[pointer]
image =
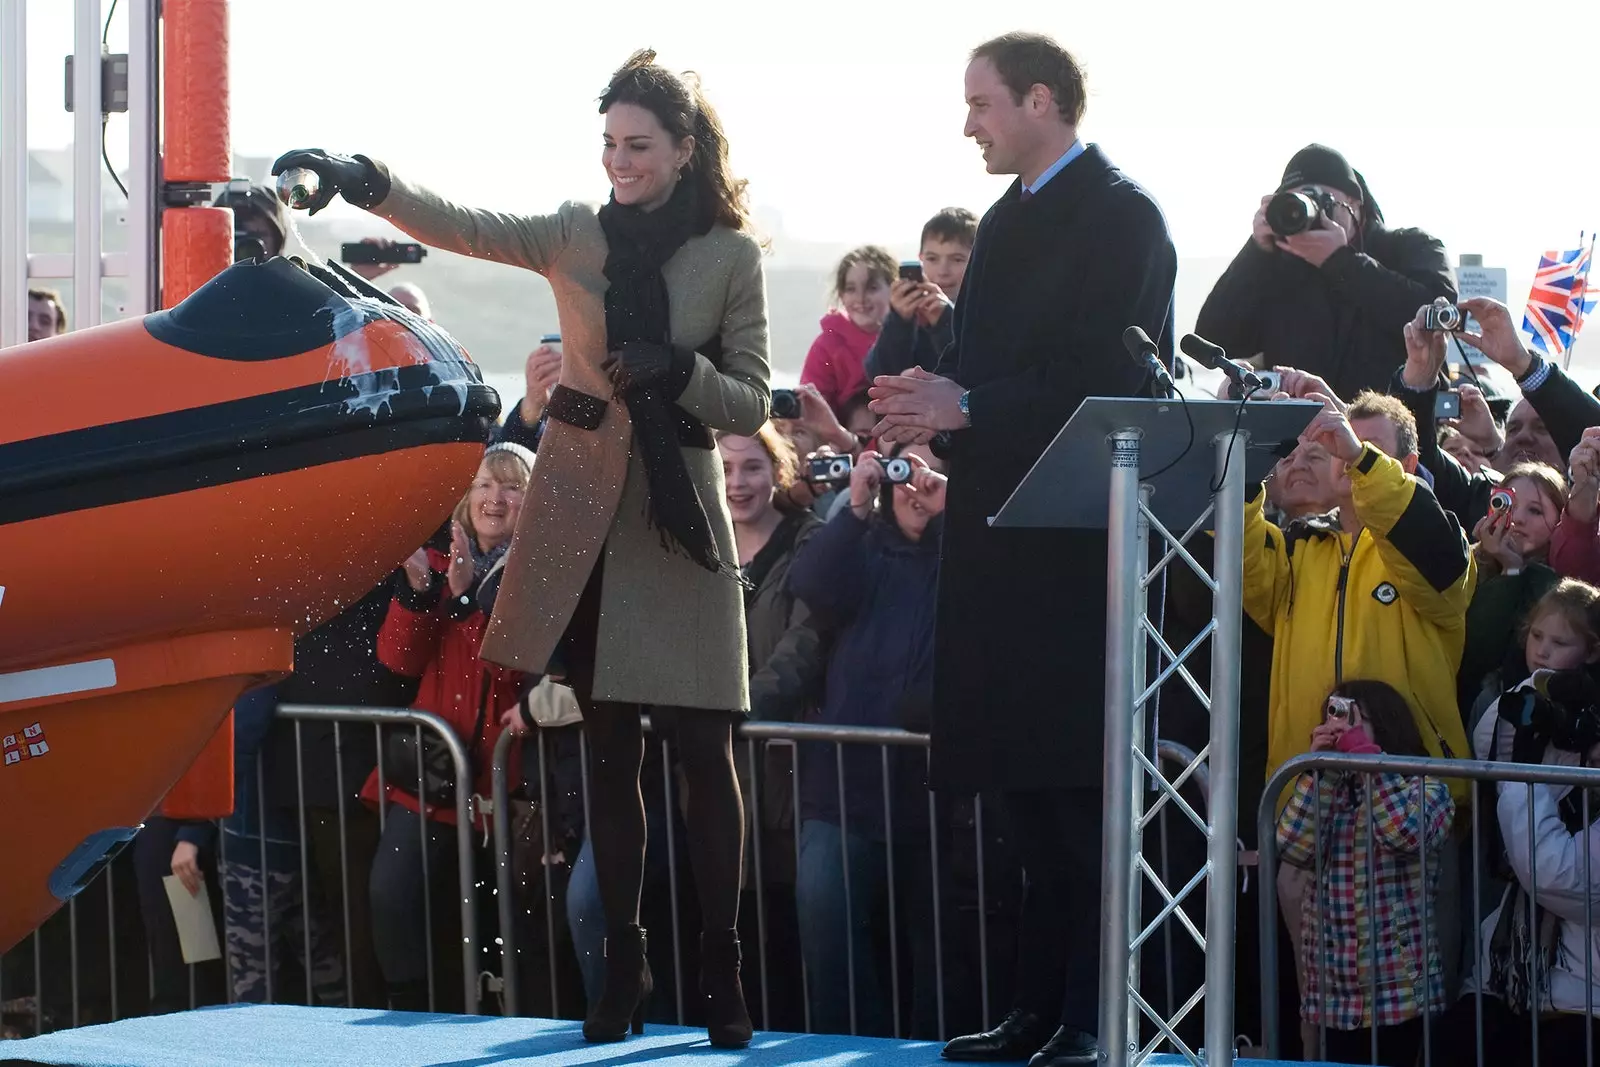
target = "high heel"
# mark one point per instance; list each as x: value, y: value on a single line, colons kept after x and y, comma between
x: 727, y: 1020
x: 627, y: 989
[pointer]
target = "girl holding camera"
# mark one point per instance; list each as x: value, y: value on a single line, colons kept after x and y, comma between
x: 1362, y: 925
x: 624, y: 569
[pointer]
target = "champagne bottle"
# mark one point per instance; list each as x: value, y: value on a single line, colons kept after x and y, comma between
x: 297, y: 186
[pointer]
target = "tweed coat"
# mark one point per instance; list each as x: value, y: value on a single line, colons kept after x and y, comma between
x: 671, y: 632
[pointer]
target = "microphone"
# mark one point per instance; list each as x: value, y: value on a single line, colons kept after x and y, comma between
x: 1209, y: 355
x: 1143, y: 350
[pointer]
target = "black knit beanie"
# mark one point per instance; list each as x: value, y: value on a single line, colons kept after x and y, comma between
x: 1317, y: 164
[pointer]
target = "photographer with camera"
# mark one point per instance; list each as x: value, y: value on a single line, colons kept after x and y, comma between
x: 1544, y: 426
x: 1377, y: 588
x: 868, y: 577
x: 1539, y: 956
x: 1322, y: 284
x: 922, y: 301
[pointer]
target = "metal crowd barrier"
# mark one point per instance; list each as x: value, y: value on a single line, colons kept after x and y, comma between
x: 107, y: 884
x: 761, y: 735
x: 1421, y: 769
x: 476, y: 979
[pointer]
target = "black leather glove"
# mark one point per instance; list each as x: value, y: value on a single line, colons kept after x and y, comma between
x: 363, y: 182
x: 641, y: 364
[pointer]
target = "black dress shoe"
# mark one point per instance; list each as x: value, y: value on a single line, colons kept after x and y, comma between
x: 1019, y: 1036
x: 1066, y: 1048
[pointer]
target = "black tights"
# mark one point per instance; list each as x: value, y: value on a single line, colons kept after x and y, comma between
x: 704, y: 743
x: 715, y: 816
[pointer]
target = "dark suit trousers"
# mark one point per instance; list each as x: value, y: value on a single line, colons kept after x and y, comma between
x: 1057, y: 834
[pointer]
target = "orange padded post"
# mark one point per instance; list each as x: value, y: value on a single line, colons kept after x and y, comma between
x: 194, y: 93
x: 206, y: 789
x: 197, y: 245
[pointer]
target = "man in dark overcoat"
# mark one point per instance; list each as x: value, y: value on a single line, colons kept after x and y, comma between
x: 1073, y: 254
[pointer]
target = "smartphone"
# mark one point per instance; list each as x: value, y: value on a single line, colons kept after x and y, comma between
x: 1447, y: 404
x: 399, y: 252
x: 911, y: 271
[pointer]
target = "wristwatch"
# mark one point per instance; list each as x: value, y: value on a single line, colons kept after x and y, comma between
x: 961, y: 403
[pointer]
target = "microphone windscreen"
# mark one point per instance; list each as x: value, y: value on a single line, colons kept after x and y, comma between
x: 1202, y: 351
x: 1138, y: 343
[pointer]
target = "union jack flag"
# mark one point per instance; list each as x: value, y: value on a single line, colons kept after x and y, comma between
x: 1559, y: 299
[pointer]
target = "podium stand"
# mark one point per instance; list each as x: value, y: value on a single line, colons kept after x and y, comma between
x: 1198, y: 456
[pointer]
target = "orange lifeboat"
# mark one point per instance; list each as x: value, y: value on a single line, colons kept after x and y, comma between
x: 180, y: 496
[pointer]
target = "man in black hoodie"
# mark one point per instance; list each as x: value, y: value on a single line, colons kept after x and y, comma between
x: 1332, y: 299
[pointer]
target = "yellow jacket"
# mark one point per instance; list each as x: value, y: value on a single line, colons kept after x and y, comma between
x: 1387, y: 604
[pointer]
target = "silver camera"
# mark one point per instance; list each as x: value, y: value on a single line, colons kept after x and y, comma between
x: 1446, y: 317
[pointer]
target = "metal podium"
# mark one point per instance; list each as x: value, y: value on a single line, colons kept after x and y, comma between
x: 1130, y: 466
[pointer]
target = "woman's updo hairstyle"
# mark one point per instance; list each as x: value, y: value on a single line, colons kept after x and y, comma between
x: 683, y: 111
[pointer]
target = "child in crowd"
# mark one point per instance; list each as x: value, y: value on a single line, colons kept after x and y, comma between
x: 1366, y: 909
x: 836, y: 362
x: 1537, y: 958
x: 1513, y: 545
x: 920, y: 325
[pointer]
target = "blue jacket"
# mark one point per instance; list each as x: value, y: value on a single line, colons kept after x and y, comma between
x: 253, y: 715
x: 874, y: 590
x: 905, y: 343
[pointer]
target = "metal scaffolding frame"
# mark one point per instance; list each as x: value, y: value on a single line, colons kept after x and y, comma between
x: 1131, y: 771
x: 87, y: 265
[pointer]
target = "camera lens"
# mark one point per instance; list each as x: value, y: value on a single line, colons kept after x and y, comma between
x: 839, y: 468
x: 897, y: 471
x: 1291, y: 213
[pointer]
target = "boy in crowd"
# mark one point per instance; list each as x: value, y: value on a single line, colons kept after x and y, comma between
x: 920, y: 323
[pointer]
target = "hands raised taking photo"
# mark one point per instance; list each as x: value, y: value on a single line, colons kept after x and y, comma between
x: 1499, y: 338
x: 1425, y: 351
x: 1494, y: 543
x: 1332, y: 430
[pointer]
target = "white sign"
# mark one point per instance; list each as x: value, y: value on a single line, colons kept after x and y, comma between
x: 1481, y: 281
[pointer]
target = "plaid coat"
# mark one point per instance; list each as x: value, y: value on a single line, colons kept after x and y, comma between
x: 1370, y: 914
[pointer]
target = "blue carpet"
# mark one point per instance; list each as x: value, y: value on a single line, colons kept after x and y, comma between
x: 285, y: 1036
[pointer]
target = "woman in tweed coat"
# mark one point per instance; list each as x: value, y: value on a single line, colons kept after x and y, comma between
x: 623, y: 576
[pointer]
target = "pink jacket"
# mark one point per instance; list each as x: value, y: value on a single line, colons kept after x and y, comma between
x: 836, y: 364
x: 1575, y: 550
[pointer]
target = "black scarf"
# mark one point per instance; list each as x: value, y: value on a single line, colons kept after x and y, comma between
x: 639, y: 243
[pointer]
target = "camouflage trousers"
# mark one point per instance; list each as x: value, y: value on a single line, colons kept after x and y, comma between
x: 260, y: 933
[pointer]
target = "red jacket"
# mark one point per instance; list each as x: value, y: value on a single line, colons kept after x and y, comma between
x: 436, y: 637
x: 836, y: 364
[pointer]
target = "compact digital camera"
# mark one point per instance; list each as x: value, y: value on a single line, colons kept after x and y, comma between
x: 897, y: 471
x: 827, y: 469
x: 1502, y: 498
x: 785, y: 404
x: 1446, y: 317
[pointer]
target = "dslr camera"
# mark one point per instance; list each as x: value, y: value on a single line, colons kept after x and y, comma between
x: 828, y: 470
x: 1442, y: 317
x: 1291, y: 212
x: 1562, y: 708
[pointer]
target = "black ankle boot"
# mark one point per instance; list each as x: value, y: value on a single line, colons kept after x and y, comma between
x: 627, y: 988
x: 727, y: 1021
x: 409, y: 996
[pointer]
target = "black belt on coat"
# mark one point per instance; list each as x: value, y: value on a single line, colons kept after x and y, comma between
x: 577, y: 408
